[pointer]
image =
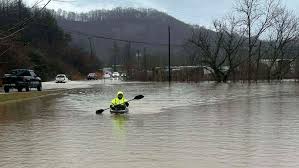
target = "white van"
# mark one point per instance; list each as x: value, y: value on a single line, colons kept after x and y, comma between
x: 61, y: 78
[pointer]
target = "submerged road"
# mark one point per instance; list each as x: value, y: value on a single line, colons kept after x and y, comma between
x: 184, y: 125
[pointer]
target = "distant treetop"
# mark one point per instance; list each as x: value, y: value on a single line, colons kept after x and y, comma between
x: 116, y: 13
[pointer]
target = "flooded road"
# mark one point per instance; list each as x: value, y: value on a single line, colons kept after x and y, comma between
x: 185, y: 125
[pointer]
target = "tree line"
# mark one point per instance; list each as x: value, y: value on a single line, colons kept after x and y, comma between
x: 31, y: 38
x: 108, y: 15
x: 256, y: 41
x: 148, y: 25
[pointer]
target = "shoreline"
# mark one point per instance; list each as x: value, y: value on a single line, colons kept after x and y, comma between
x: 24, y: 96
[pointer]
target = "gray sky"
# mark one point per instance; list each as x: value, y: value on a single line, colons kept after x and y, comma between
x: 200, y: 12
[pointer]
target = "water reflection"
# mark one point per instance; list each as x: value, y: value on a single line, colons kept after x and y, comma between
x: 119, y: 125
x: 186, y: 125
x: 18, y: 111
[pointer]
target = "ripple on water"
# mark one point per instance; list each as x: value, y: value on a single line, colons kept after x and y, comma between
x: 185, y: 125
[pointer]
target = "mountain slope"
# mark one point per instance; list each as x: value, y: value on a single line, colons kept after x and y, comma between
x: 132, y: 24
x: 31, y: 38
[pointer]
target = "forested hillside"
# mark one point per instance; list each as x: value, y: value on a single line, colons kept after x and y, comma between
x: 234, y: 48
x: 145, y: 25
x: 31, y: 38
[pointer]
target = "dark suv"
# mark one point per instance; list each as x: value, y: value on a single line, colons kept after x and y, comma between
x: 20, y: 79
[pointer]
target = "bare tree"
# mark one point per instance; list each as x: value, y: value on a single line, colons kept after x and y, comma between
x: 218, y: 51
x: 191, y: 54
x: 232, y: 43
x: 282, y: 35
x: 256, y: 17
x: 258, y: 61
x: 210, y: 52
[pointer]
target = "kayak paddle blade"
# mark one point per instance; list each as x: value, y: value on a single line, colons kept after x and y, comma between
x: 100, y: 111
x: 139, y: 97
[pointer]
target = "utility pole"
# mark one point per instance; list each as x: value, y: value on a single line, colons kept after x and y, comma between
x: 144, y: 59
x: 138, y: 59
x: 115, y: 55
x: 144, y: 63
x: 114, y: 62
x: 90, y: 45
x: 169, y: 50
x: 128, y: 60
x: 94, y: 47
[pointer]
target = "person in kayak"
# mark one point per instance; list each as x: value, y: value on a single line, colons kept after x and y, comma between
x: 119, y: 103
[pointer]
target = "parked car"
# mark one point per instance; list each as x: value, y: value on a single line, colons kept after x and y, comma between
x: 123, y: 75
x: 92, y: 76
x: 107, y: 75
x: 21, y: 79
x: 115, y: 75
x: 61, y: 78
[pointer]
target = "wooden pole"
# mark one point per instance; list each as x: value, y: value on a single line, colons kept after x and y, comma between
x: 169, y: 54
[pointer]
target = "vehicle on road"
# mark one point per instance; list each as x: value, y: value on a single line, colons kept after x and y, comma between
x: 107, y: 75
x: 61, y: 78
x: 92, y: 76
x: 123, y: 76
x: 115, y: 75
x: 21, y: 79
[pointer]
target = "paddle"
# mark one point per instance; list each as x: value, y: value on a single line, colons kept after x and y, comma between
x: 135, y: 98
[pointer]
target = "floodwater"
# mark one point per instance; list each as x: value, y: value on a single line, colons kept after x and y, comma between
x: 184, y: 126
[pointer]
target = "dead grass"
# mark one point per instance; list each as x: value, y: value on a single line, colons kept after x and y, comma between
x: 6, y: 98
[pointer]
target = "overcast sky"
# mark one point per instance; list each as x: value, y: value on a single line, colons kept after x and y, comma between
x: 200, y: 12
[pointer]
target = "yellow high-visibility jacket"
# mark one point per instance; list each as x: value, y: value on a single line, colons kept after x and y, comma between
x: 117, y: 101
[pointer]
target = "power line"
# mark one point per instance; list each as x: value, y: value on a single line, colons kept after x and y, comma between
x: 37, y: 2
x: 23, y: 23
x: 65, y: 1
x: 17, y: 24
x: 12, y: 34
x: 121, y: 40
x: 6, y: 50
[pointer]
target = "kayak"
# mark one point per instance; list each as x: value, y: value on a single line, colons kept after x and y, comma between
x: 119, y: 111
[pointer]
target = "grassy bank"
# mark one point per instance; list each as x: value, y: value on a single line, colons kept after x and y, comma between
x: 12, y: 97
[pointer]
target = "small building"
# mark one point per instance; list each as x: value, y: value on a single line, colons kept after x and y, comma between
x: 280, y: 63
x: 179, y: 73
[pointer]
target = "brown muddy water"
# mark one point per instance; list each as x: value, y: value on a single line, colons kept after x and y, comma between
x: 185, y: 125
